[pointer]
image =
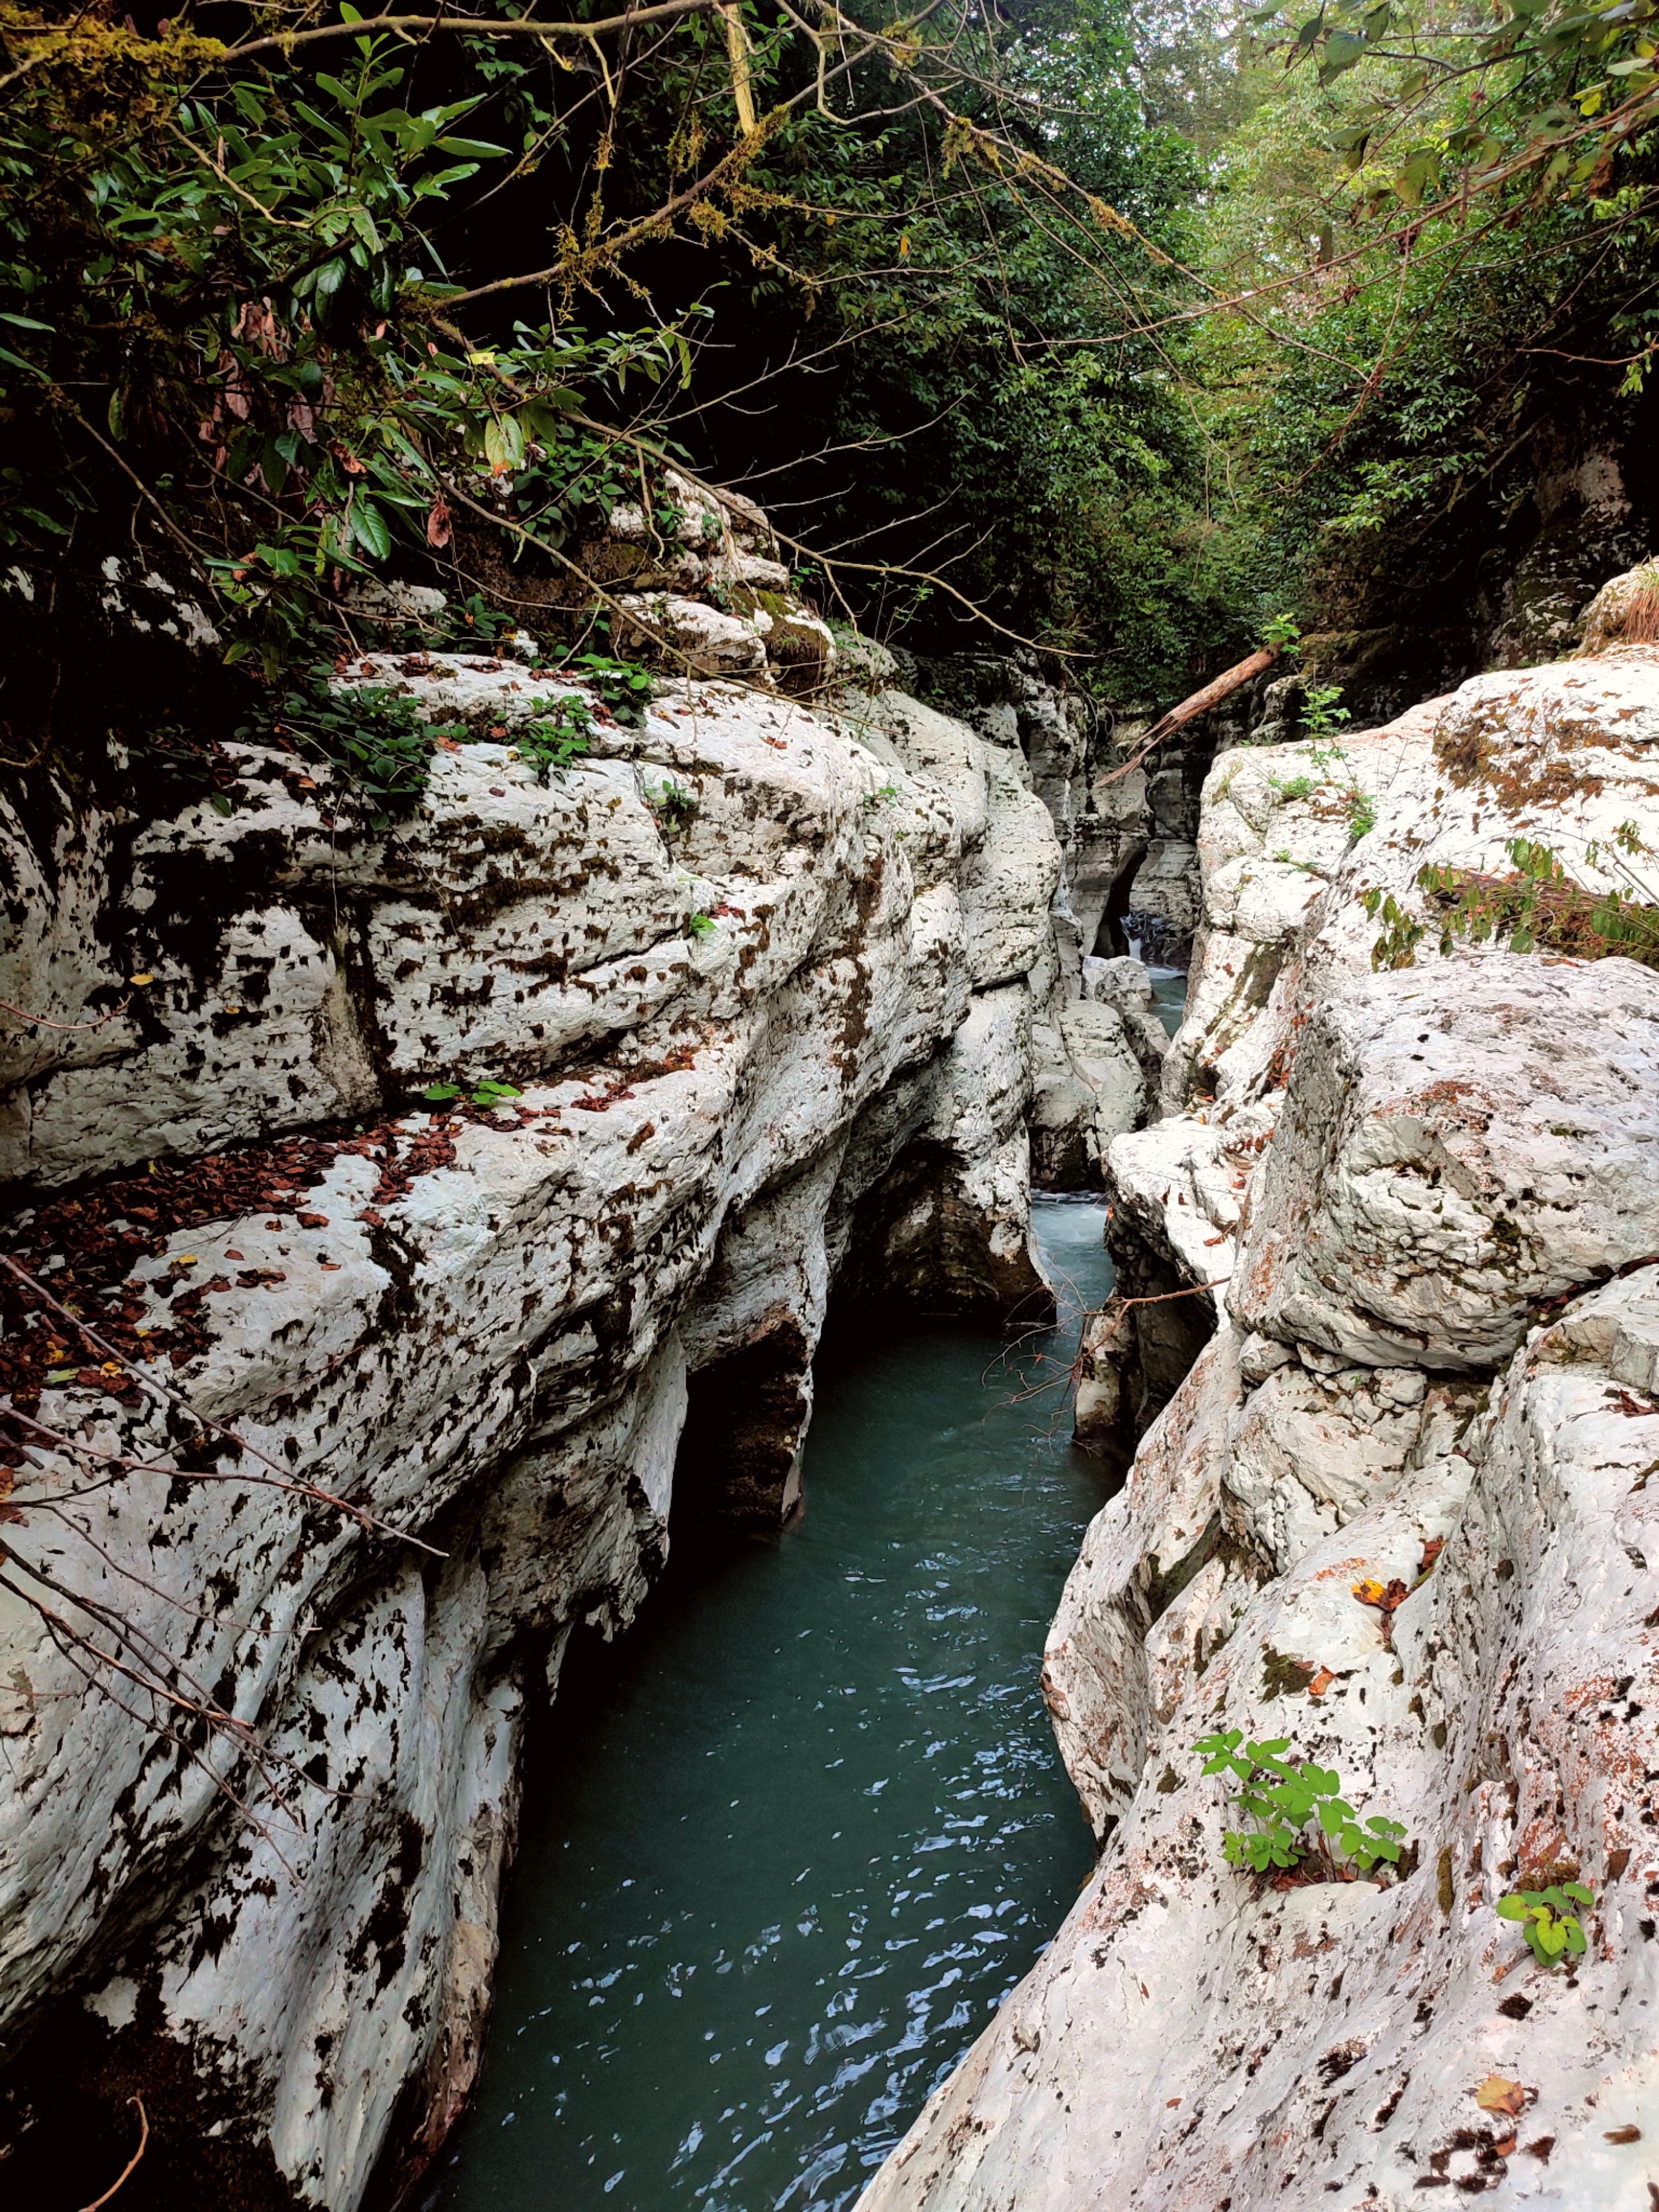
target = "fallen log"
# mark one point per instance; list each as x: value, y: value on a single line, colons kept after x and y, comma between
x: 1198, y: 703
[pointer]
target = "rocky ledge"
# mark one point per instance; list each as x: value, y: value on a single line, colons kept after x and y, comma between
x: 390, y: 1393
x: 1398, y: 1510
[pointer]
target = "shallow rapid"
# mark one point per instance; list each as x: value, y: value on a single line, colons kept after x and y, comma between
x: 796, y: 1835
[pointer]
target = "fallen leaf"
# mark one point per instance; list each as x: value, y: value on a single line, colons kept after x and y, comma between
x: 1369, y: 1593
x: 1498, y: 2095
x: 313, y: 1220
x: 1621, y: 2135
x: 1320, y: 1682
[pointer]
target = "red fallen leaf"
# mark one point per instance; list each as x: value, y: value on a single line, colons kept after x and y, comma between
x: 374, y: 1220
x: 1621, y: 2135
x: 778, y: 744
x: 232, y: 1256
x: 329, y: 1267
x: 440, y: 524
x: 1320, y: 1682
x: 273, y: 1224
x: 313, y: 1220
x: 1432, y: 1547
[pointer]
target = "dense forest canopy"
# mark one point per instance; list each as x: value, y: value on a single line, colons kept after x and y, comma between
x: 1101, y: 327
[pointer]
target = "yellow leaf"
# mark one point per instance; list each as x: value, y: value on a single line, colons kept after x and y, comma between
x: 1497, y: 2095
x: 140, y: 980
x: 1369, y: 1593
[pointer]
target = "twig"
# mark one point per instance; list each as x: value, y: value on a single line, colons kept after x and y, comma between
x: 126, y: 2170
x: 142, y: 1376
x: 39, y: 1021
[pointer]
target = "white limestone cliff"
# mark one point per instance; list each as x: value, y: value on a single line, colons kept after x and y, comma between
x: 759, y: 976
x: 1427, y: 1200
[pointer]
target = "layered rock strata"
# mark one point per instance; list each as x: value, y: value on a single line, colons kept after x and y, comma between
x: 1399, y: 1512
x: 402, y: 1390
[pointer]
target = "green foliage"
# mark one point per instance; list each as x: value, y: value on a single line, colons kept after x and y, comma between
x: 559, y: 734
x: 1551, y: 1927
x: 486, y: 1093
x: 373, y: 741
x: 1551, y: 90
x: 1321, y: 717
x: 672, y: 804
x: 1281, y: 1797
x: 622, y: 687
x: 702, y: 925
x: 234, y: 270
x: 1538, y: 907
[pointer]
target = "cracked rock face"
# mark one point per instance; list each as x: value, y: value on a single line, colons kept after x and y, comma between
x: 760, y: 976
x: 1398, y: 1511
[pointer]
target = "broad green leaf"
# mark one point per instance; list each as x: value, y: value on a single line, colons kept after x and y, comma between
x: 368, y: 527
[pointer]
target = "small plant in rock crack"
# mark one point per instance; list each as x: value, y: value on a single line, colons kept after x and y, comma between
x: 672, y: 804
x: 1551, y: 1927
x: 561, y: 733
x: 702, y: 925
x: 875, y: 798
x: 480, y: 1094
x: 1281, y: 1795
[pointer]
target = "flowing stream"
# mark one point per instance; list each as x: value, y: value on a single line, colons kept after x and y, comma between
x: 788, y: 1846
x: 799, y: 1832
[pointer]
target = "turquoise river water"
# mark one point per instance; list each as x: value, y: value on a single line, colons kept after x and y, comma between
x: 805, y: 1826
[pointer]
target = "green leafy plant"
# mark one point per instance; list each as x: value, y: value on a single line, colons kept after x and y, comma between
x: 559, y: 734
x: 1321, y: 717
x: 1362, y: 813
x: 1280, y: 1796
x: 1551, y: 1927
x: 1297, y: 787
x: 480, y: 1094
x: 373, y: 739
x: 702, y: 925
x: 1540, y: 906
x: 672, y: 804
x: 875, y: 798
x: 623, y: 689
x: 1283, y: 631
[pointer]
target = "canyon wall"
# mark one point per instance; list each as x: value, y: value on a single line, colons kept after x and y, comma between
x: 1397, y: 1512
x: 389, y: 1393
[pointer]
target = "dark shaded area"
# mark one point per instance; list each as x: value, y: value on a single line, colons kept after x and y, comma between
x: 68, y: 2123
x: 738, y: 1469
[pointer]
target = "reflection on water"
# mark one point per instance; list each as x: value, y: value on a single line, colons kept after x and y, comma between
x: 806, y: 1826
